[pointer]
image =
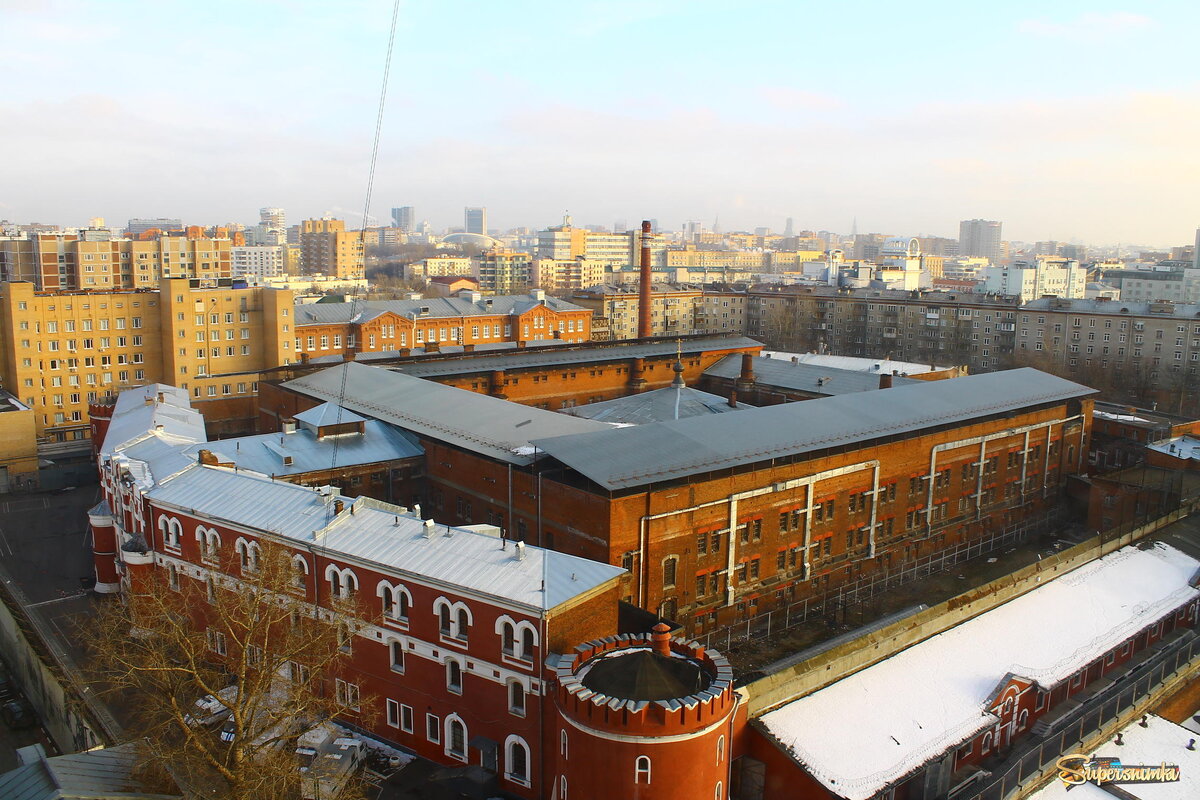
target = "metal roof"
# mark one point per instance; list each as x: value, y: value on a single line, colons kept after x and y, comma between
x: 658, y: 405
x: 801, y: 377
x: 858, y: 363
x: 385, y: 535
x: 574, y: 355
x: 628, y: 457
x: 138, y: 413
x: 434, y: 307
x: 496, y: 428
x: 94, y: 774
x: 266, y: 453
x: 327, y: 414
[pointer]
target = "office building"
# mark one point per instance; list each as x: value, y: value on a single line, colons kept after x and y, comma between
x: 980, y: 238
x: 475, y: 220
x: 405, y: 219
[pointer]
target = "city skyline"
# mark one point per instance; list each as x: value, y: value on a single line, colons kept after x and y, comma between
x: 912, y: 123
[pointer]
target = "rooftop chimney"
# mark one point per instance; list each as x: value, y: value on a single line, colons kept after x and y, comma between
x: 733, y: 398
x: 338, y: 505
x: 288, y: 425
x: 660, y: 639
x: 885, y: 381
x: 745, y: 381
x: 644, y: 288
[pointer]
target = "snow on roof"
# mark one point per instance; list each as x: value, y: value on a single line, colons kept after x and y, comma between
x: 384, y: 535
x: 138, y: 413
x: 877, y: 366
x: 1179, y: 447
x: 866, y: 731
x: 1118, y: 417
x: 328, y: 414
x: 1161, y: 741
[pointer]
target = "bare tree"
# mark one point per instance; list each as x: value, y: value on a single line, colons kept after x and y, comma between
x: 251, y: 642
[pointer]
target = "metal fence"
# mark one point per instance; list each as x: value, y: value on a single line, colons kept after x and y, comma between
x: 848, y: 597
x: 1032, y: 756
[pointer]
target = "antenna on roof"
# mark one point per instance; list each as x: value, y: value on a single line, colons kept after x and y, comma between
x: 362, y: 236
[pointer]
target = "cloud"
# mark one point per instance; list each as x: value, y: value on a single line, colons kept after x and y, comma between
x: 1090, y: 25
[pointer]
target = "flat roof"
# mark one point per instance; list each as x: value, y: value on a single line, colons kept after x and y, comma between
x: 804, y: 377
x: 628, y: 457
x: 574, y: 355
x: 476, y: 422
x: 871, y: 729
x: 434, y: 308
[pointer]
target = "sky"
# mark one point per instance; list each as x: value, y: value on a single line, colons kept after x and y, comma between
x: 1076, y: 121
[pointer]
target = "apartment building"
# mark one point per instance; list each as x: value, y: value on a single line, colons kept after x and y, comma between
x: 575, y: 273
x: 61, y: 350
x: 441, y: 266
x: 327, y: 248
x: 721, y: 312
x: 503, y: 271
x: 259, y: 261
x: 1046, y: 275
x: 566, y: 242
x: 672, y: 309
x: 932, y: 327
x: 1148, y: 286
x: 76, y: 261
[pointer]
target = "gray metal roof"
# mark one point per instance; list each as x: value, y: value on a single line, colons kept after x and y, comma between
x: 573, y: 355
x: 327, y: 414
x: 366, y: 310
x: 658, y: 405
x: 138, y: 413
x: 1114, y: 307
x: 628, y: 457
x: 385, y: 535
x: 496, y: 428
x: 803, y: 377
x: 94, y: 774
x: 265, y: 453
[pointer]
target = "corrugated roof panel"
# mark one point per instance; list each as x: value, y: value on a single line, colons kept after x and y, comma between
x: 626, y: 457
x: 803, y: 377
x: 494, y: 427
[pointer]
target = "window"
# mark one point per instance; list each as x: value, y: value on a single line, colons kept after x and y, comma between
x: 173, y: 577
x: 406, y: 718
x: 346, y: 694
x: 641, y: 770
x: 393, y: 713
x: 516, y: 698
x: 456, y: 738
x: 720, y: 749
x: 396, y: 653
x: 454, y: 676
x: 216, y: 641
x: 516, y: 760
x: 562, y: 743
x: 433, y: 728
x: 669, y: 565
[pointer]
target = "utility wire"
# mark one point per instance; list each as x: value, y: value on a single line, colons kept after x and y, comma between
x: 362, y: 239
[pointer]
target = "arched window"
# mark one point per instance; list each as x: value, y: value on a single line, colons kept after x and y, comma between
x: 719, y: 794
x: 669, y: 564
x: 464, y: 624
x: 210, y: 544
x: 444, y: 619
x: 454, y: 676
x: 508, y: 637
x: 516, y: 765
x: 1023, y: 719
x: 987, y: 743
x: 562, y: 743
x: 247, y: 555
x: 456, y: 737
x: 527, y: 644
x: 516, y: 698
x: 562, y: 787
x: 396, y: 651
x: 210, y: 585
x: 299, y: 573
x: 343, y: 583
x: 641, y: 770
x: 720, y: 748
x: 171, y: 530
x: 335, y: 583
x: 173, y: 577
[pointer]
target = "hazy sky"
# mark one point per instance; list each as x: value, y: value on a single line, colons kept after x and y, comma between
x: 1065, y: 119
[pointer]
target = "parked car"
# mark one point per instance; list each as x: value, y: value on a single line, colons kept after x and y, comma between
x: 210, y: 711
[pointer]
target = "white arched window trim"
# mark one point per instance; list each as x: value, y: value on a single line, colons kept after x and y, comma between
x: 448, y: 739
x: 248, y: 553
x: 396, y: 600
x: 720, y: 748
x: 521, y: 635
x: 641, y: 769
x: 299, y: 571
x: 514, y: 741
x: 171, y: 529
x: 455, y: 633
x: 210, y: 544
x: 563, y: 748
x: 343, y: 583
x: 454, y: 666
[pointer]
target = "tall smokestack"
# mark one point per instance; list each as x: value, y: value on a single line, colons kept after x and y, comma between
x: 644, y: 289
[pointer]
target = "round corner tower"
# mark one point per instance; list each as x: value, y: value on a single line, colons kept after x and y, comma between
x: 643, y: 716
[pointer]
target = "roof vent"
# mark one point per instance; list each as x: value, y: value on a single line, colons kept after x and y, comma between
x: 520, y: 551
x: 428, y: 532
x: 288, y: 425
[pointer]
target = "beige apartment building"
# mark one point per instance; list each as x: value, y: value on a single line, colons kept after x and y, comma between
x: 60, y: 350
x: 71, y: 262
x: 672, y: 310
x: 575, y: 273
x: 327, y: 248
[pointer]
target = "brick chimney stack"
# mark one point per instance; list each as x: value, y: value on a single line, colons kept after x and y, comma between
x: 644, y: 329
x: 885, y: 380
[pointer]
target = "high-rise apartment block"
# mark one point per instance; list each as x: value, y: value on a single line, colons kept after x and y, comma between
x: 565, y: 242
x: 62, y: 350
x: 475, y: 219
x: 404, y: 218
x: 260, y: 261
x: 503, y: 271
x: 136, y: 227
x: 271, y: 229
x: 328, y: 248
x: 981, y: 238
x: 74, y: 261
